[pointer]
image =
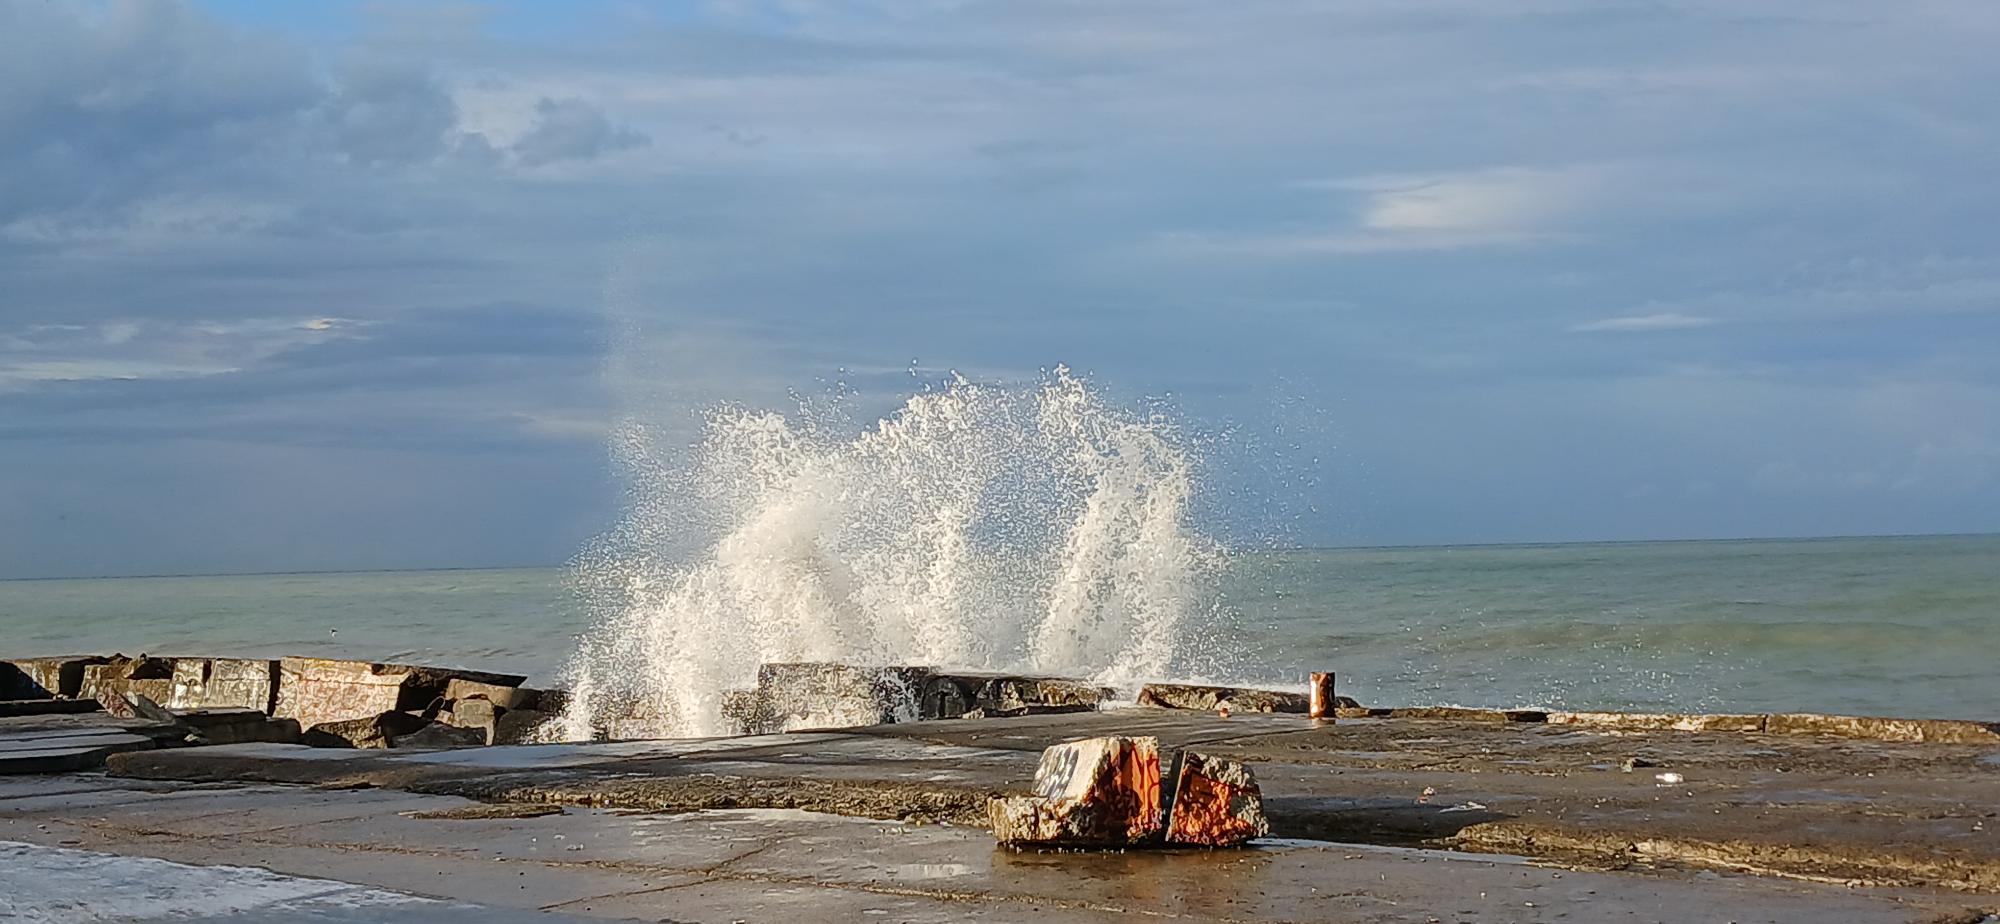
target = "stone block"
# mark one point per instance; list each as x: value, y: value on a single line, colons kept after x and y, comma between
x: 1929, y: 731
x: 1649, y: 721
x: 66, y: 752
x: 522, y: 726
x: 1209, y: 699
x: 224, y: 683
x: 118, y: 677
x: 805, y: 695
x: 1216, y: 803
x: 439, y: 735
x: 376, y: 731
x: 477, y: 714
x: 44, y: 678
x: 16, y: 708
x: 317, y: 692
x: 1098, y: 792
x: 505, y: 697
x: 959, y: 694
x: 239, y: 726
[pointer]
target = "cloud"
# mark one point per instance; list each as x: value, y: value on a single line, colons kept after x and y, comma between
x: 223, y: 236
x: 1644, y: 323
x: 1506, y: 199
x: 387, y: 111
x: 572, y: 129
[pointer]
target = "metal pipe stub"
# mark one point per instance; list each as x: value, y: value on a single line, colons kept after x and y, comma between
x: 1322, y: 702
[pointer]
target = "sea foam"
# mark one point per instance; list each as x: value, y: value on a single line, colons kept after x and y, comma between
x: 1033, y: 529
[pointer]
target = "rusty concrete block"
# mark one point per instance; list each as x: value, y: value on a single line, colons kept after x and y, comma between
x: 1094, y: 792
x: 1216, y: 803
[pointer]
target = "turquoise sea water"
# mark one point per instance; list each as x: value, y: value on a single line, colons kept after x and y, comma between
x: 1898, y: 626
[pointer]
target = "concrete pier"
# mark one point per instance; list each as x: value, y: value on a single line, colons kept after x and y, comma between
x: 1420, y: 815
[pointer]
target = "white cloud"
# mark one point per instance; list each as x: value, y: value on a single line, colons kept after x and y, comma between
x: 135, y: 349
x: 1489, y: 200
x: 1644, y: 323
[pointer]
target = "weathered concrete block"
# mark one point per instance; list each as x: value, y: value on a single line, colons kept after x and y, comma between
x: 15, y: 708
x: 795, y: 696
x: 1035, y: 821
x: 316, y: 692
x: 1647, y: 721
x: 440, y: 735
x: 239, y: 726
x: 1239, y: 699
x: 1095, y: 792
x: 224, y: 683
x: 951, y: 695
x: 522, y: 726
x: 1931, y: 731
x: 83, y: 749
x: 373, y: 732
x: 505, y: 697
x: 1216, y: 803
x: 117, y: 677
x: 476, y: 714
x: 44, y: 678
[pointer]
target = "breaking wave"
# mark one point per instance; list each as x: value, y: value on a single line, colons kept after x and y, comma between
x: 979, y: 527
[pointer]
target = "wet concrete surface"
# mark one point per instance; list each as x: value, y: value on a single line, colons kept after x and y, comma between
x: 785, y: 865
x: 1865, y: 812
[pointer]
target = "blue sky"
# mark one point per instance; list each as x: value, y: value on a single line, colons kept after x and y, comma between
x: 295, y: 286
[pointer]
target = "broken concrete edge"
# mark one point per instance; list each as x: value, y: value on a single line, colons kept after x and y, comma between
x: 811, y: 695
x: 168, y: 679
x: 1798, y: 860
x: 1869, y: 728
x: 1110, y: 792
x: 931, y: 802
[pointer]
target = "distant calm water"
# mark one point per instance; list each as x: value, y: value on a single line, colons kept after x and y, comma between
x: 1903, y: 626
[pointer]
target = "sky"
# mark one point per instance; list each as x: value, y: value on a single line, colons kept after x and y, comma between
x: 368, y: 285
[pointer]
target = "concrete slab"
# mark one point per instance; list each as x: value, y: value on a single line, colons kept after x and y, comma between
x: 55, y: 884
x: 729, y: 866
x: 1770, y: 804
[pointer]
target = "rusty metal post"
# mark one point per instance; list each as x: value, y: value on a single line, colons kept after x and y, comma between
x: 1322, y: 703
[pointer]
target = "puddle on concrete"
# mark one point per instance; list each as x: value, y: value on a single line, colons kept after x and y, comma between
x: 928, y: 871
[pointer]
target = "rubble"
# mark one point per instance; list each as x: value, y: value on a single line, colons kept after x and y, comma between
x: 1216, y: 803
x: 810, y: 695
x: 317, y: 691
x: 377, y: 731
x: 110, y: 681
x: 1237, y: 699
x: 1098, y: 792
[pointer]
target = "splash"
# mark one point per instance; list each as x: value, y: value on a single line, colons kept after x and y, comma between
x: 977, y: 527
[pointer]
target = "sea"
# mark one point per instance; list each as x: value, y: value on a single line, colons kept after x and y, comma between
x: 1904, y: 626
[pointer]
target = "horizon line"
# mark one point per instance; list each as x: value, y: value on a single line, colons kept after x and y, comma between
x: 308, y: 572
